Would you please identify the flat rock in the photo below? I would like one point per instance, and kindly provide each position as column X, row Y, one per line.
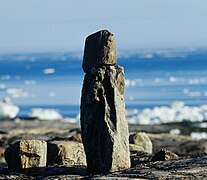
column 100, row 49
column 186, row 168
column 67, row 153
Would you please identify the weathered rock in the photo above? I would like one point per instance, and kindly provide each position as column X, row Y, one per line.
column 181, row 145
column 12, row 156
column 104, row 126
column 75, row 131
column 100, row 49
column 141, row 139
column 142, row 168
column 133, row 147
column 26, row 154
column 33, row 153
column 67, row 153
column 186, row 168
column 76, row 137
column 164, row 155
column 2, row 160
column 3, row 132
column 1, row 152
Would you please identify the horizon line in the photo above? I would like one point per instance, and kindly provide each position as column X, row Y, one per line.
column 131, row 50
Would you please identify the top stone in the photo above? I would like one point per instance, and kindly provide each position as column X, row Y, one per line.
column 100, row 49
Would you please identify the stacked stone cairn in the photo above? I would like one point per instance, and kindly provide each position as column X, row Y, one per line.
column 104, row 127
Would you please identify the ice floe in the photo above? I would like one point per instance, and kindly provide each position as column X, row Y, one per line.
column 52, row 94
column 71, row 120
column 45, row 114
column 200, row 125
column 75, row 119
column 133, row 82
column 49, row 71
column 177, row 112
column 175, row 131
column 17, row 92
column 5, row 77
column 29, row 82
column 8, row 109
column 17, row 77
column 2, row 86
column 199, row 135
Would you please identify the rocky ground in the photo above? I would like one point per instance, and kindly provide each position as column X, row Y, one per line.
column 190, row 164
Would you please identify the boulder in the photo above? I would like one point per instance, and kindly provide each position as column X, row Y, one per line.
column 164, row 155
column 67, row 153
column 181, row 145
column 141, row 139
column 100, row 49
column 76, row 138
column 134, row 147
column 26, row 154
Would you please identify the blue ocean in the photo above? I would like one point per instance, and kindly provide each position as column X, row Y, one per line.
column 153, row 78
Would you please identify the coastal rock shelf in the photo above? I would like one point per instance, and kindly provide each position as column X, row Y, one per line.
column 186, row 168
column 194, row 167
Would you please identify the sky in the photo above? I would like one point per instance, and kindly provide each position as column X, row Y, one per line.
column 62, row 25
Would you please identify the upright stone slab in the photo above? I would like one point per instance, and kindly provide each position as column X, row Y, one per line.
column 104, row 126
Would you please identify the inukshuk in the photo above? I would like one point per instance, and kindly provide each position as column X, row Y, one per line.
column 103, row 123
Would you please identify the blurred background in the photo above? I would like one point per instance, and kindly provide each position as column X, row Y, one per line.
column 162, row 45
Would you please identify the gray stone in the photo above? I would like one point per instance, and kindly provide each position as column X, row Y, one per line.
column 1, row 152
column 76, row 138
column 100, row 49
column 67, row 153
column 104, row 127
column 12, row 157
column 141, row 139
column 181, row 145
column 26, row 154
column 164, row 155
column 134, row 147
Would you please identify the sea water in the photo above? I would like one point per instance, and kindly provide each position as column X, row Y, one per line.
column 154, row 78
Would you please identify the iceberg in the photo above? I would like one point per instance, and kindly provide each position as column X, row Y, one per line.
column 7, row 109
column 177, row 112
column 45, row 114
